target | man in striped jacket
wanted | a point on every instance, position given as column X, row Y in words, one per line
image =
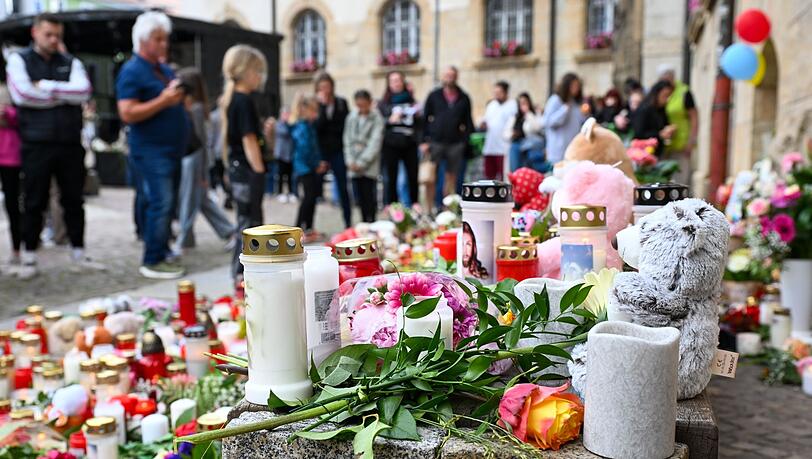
column 48, row 86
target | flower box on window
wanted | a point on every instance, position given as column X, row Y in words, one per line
column 599, row 41
column 393, row 58
column 499, row 49
column 305, row 66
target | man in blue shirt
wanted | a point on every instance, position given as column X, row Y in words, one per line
column 150, row 102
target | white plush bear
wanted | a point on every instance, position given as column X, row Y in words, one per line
column 682, row 257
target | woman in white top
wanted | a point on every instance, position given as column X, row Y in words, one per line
column 524, row 132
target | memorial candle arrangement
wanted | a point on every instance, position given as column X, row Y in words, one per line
column 582, row 229
column 273, row 257
column 358, row 258
column 486, row 225
column 650, row 197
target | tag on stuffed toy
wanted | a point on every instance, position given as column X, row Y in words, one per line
column 724, row 363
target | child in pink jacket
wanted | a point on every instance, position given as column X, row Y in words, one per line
column 10, row 170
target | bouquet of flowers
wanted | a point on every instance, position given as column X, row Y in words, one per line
column 403, row 217
column 743, row 267
column 395, row 58
column 499, row 49
column 647, row 168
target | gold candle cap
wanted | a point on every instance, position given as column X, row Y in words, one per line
column 17, row 335
column 176, row 368
column 357, row 249
column 524, row 239
column 275, row 241
column 53, row 373
column 128, row 355
column 100, row 426
column 89, row 366
column 125, row 338
column 4, row 372
column 186, row 286
column 42, row 361
column 114, row 363
column 781, row 312
column 5, row 334
column 5, row 405
column 87, row 315
column 22, row 415
column 210, row 421
column 107, row 377
column 29, row 339
column 53, row 316
column 516, row 253
column 33, row 322
column 772, row 289
column 582, row 216
column 6, row 360
column 35, row 310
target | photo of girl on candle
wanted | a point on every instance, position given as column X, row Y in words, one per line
column 471, row 265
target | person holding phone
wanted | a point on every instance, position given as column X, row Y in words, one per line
column 150, row 102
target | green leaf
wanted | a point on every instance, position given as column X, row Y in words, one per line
column 516, row 328
column 506, row 285
column 422, row 308
column 314, row 371
column 273, row 402
column 581, row 296
column 353, row 351
column 474, row 281
column 549, row 349
column 337, row 433
column 569, row 297
column 543, row 304
column 514, row 232
column 406, row 299
column 205, row 450
column 337, row 376
column 388, row 406
column 422, row 385
column 330, row 392
column 464, row 287
column 477, row 366
column 568, row 320
column 492, row 334
column 188, row 416
column 439, row 352
column 488, row 407
column 445, row 411
column 482, row 301
column 517, row 304
column 364, row 439
column 465, row 341
column 585, row 313
column 403, row 427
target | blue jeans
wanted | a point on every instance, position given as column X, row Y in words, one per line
column 517, row 157
column 156, row 173
column 339, row 168
column 139, row 205
column 439, row 187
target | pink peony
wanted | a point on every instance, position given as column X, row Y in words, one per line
column 758, row 207
column 368, row 321
column 398, row 215
column 785, row 196
column 738, row 229
column 641, row 157
column 789, row 161
column 416, row 283
column 784, row 225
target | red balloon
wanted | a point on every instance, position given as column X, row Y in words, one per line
column 753, row 25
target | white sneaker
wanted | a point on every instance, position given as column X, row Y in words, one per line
column 24, row 272
column 28, row 258
column 292, row 198
column 283, row 198
column 87, row 264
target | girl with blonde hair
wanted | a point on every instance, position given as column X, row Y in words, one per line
column 244, row 72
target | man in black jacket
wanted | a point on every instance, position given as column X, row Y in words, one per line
column 48, row 87
column 333, row 111
column 448, row 126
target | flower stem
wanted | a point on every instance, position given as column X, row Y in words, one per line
column 509, row 354
column 267, row 424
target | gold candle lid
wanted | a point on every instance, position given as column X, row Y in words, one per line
column 35, row 310
column 53, row 315
column 125, row 338
column 6, row 360
column 186, row 286
column 17, row 335
column 5, row 404
column 114, row 363
column 516, row 253
column 4, row 371
column 128, row 355
column 582, row 216
column 86, row 315
column 357, row 249
column 22, row 414
column 781, row 312
column 5, row 334
column 42, row 361
column 89, row 366
column 29, row 339
column 176, row 368
column 524, row 239
column 772, row 289
column 210, row 421
column 33, row 322
column 275, row 241
column 53, row 373
column 107, row 377
column 100, row 426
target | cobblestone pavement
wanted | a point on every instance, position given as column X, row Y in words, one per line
column 110, row 239
column 760, row 421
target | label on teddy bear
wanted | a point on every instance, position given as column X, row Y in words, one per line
column 724, row 363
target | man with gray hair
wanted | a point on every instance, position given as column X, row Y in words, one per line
column 681, row 112
column 150, row 102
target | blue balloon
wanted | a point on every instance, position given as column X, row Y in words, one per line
column 739, row 61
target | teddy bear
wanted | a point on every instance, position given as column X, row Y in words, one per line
column 61, row 335
column 681, row 259
column 601, row 146
column 588, row 183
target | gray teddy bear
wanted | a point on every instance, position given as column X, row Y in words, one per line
column 682, row 257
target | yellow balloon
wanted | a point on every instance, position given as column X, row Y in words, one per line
column 760, row 70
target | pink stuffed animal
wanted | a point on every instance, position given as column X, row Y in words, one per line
column 594, row 184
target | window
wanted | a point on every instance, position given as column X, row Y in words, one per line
column 508, row 27
column 600, row 23
column 401, row 33
column 309, row 52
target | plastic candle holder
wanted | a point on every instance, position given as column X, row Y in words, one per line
column 652, row 196
column 321, row 284
column 582, row 229
column 516, row 262
column 486, row 224
column 358, row 258
column 197, row 343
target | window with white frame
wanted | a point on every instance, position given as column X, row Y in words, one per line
column 508, row 27
column 401, row 31
column 600, row 23
column 309, row 50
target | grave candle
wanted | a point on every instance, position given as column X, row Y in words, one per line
column 321, row 283
column 442, row 317
column 582, row 229
column 154, row 427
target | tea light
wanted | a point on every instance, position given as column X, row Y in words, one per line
column 321, row 283
column 175, row 369
column 748, row 343
column 125, row 341
column 50, row 318
column 486, row 224
column 442, row 317
column 652, row 196
column 34, row 310
column 31, row 347
column 122, row 368
column 153, row 427
column 101, row 350
column 211, row 421
column 186, row 301
column 52, row 379
column 180, row 406
column 5, row 383
column 583, row 240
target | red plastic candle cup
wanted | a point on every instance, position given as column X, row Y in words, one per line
column 516, row 262
column 186, row 301
column 446, row 244
column 358, row 258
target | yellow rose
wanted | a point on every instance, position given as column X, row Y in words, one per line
column 546, row 417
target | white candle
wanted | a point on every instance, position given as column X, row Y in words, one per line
column 748, row 343
column 116, row 411
column 321, row 283
column 806, row 381
column 5, row 383
column 153, row 427
column 197, row 343
column 70, row 365
column 228, row 333
column 178, row 407
column 100, row 350
column 442, row 316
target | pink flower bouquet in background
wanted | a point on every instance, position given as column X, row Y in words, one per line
column 647, row 167
column 371, row 304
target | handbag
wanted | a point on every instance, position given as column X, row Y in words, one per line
column 427, row 172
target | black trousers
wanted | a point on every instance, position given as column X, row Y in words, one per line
column 247, row 190
column 311, row 185
column 285, row 170
column 10, row 178
column 65, row 162
column 392, row 154
column 367, row 191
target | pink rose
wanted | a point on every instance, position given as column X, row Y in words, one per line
column 398, row 216
column 789, row 161
column 758, row 207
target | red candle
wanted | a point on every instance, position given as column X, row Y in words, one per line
column 446, row 244
column 518, row 263
column 186, row 301
column 358, row 258
column 34, row 325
